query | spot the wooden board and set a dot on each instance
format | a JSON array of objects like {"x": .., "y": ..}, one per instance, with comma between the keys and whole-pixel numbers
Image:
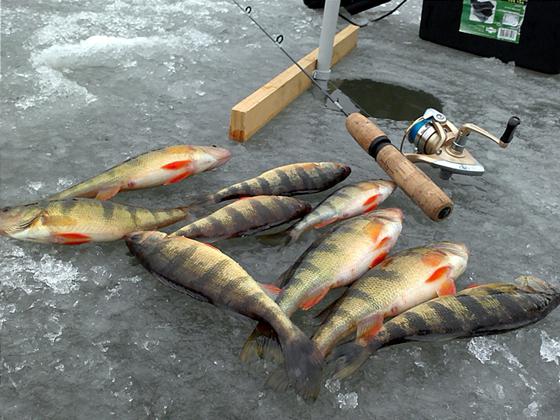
[{"x": 256, "y": 110}]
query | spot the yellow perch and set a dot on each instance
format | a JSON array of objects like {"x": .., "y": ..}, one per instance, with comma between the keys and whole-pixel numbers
[
  {"x": 80, "y": 220},
  {"x": 158, "y": 167},
  {"x": 244, "y": 217},
  {"x": 336, "y": 260},
  {"x": 348, "y": 201},
  {"x": 402, "y": 281},
  {"x": 493, "y": 308},
  {"x": 296, "y": 178},
  {"x": 205, "y": 273}
]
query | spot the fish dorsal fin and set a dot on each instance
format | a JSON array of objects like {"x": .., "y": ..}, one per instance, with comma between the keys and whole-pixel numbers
[{"x": 182, "y": 289}]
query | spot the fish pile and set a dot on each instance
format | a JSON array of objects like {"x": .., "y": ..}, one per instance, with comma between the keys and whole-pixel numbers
[{"x": 389, "y": 298}]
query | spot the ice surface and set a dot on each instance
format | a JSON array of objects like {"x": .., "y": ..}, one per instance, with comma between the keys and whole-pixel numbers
[
  {"x": 87, "y": 333},
  {"x": 550, "y": 348}
]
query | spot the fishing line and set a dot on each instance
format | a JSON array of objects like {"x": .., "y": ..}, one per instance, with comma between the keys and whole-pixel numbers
[
  {"x": 278, "y": 41},
  {"x": 280, "y": 38},
  {"x": 390, "y": 12}
]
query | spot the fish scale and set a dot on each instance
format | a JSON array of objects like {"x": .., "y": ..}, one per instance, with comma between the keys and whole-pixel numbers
[
  {"x": 339, "y": 258},
  {"x": 80, "y": 220},
  {"x": 335, "y": 260},
  {"x": 400, "y": 282},
  {"x": 348, "y": 201},
  {"x": 157, "y": 167},
  {"x": 206, "y": 273},
  {"x": 296, "y": 178},
  {"x": 246, "y": 216},
  {"x": 494, "y": 308}
]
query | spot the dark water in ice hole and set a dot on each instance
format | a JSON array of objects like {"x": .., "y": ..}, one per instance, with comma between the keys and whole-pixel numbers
[{"x": 386, "y": 100}]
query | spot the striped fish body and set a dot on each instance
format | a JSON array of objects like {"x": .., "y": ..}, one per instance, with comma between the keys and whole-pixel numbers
[
  {"x": 402, "y": 281},
  {"x": 158, "y": 167},
  {"x": 339, "y": 258},
  {"x": 297, "y": 178},
  {"x": 490, "y": 309},
  {"x": 348, "y": 201},
  {"x": 80, "y": 220},
  {"x": 471, "y": 313},
  {"x": 207, "y": 274},
  {"x": 244, "y": 217}
]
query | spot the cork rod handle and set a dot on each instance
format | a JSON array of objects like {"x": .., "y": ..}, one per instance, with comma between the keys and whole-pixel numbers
[{"x": 415, "y": 183}]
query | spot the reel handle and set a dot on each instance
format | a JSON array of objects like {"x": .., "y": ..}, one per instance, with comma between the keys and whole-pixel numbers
[
  {"x": 512, "y": 125},
  {"x": 415, "y": 183}
]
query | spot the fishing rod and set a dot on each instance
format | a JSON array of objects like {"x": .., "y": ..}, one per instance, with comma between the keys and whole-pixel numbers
[
  {"x": 412, "y": 180},
  {"x": 278, "y": 42}
]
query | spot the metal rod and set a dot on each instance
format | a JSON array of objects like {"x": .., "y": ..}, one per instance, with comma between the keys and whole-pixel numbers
[{"x": 326, "y": 41}]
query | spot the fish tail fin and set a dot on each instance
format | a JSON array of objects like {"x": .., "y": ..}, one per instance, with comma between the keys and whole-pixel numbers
[
  {"x": 293, "y": 234},
  {"x": 275, "y": 239},
  {"x": 262, "y": 343},
  {"x": 347, "y": 358},
  {"x": 204, "y": 200},
  {"x": 303, "y": 364}
]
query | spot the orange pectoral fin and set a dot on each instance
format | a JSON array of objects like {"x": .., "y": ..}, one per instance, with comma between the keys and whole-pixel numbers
[
  {"x": 107, "y": 193},
  {"x": 377, "y": 259},
  {"x": 271, "y": 290},
  {"x": 71, "y": 238},
  {"x": 438, "y": 274},
  {"x": 177, "y": 178},
  {"x": 368, "y": 328},
  {"x": 371, "y": 203},
  {"x": 314, "y": 300},
  {"x": 447, "y": 288},
  {"x": 177, "y": 165}
]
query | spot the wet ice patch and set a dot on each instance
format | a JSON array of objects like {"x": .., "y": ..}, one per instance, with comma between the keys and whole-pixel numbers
[
  {"x": 550, "y": 348},
  {"x": 483, "y": 348},
  {"x": 532, "y": 410},
  {"x": 332, "y": 385},
  {"x": 347, "y": 401},
  {"x": 18, "y": 268},
  {"x": 60, "y": 276}
]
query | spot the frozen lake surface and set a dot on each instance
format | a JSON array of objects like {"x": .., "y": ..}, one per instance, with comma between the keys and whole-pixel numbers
[{"x": 87, "y": 333}]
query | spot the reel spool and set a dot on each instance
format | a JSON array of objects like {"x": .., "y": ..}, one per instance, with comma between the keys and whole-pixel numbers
[{"x": 439, "y": 143}]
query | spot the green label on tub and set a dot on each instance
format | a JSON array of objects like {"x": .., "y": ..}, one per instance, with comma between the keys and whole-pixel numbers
[{"x": 496, "y": 19}]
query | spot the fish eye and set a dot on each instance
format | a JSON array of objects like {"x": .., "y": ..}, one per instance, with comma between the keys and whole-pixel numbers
[
  {"x": 214, "y": 145},
  {"x": 5, "y": 209}
]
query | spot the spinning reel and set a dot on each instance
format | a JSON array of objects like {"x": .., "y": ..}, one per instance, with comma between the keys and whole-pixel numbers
[{"x": 439, "y": 143}]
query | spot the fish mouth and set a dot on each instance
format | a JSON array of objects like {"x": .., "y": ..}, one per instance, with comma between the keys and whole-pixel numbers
[
  {"x": 220, "y": 154},
  {"x": 393, "y": 214},
  {"x": 345, "y": 169},
  {"x": 139, "y": 237},
  {"x": 389, "y": 185},
  {"x": 537, "y": 284},
  {"x": 457, "y": 248}
]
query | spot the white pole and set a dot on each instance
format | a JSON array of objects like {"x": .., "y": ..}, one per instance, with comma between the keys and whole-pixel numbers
[{"x": 326, "y": 41}]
